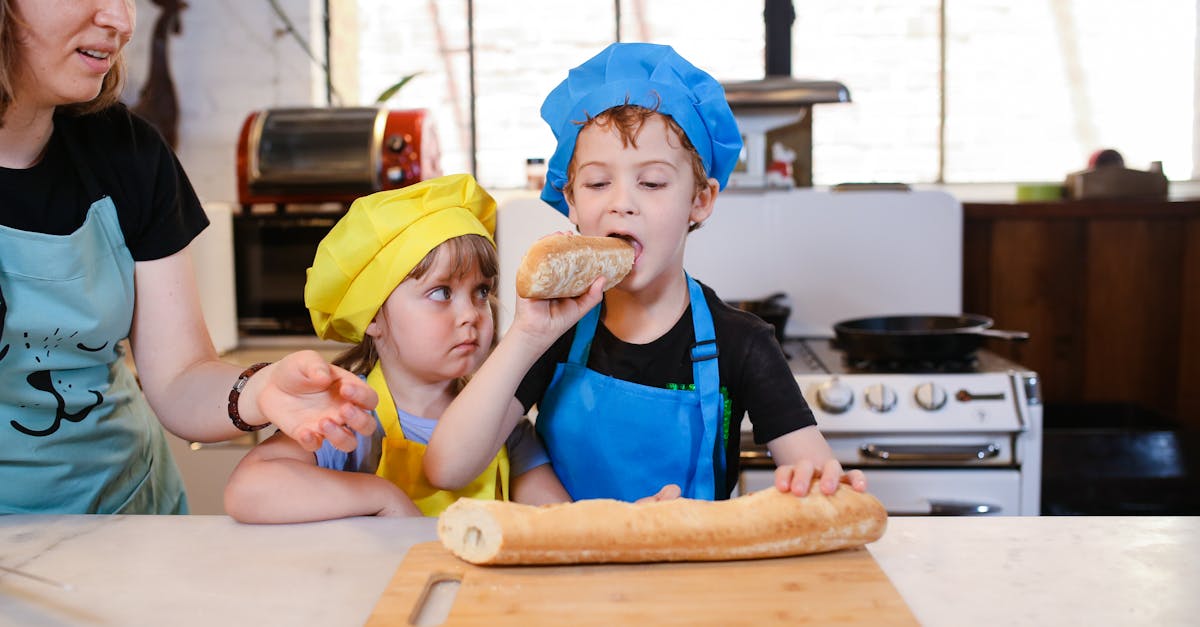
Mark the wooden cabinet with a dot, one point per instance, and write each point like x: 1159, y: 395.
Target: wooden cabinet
x: 1109, y: 292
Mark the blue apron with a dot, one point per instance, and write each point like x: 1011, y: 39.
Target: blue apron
x: 609, y: 438
x: 76, y: 433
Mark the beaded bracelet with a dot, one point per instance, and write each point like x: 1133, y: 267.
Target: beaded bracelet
x: 236, y: 393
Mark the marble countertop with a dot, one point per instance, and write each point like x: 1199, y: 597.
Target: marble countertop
x: 210, y: 570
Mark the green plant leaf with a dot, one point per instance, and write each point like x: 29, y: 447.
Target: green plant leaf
x: 391, y: 91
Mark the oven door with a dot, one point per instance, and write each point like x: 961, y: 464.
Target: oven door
x: 271, y: 253
x: 927, y: 492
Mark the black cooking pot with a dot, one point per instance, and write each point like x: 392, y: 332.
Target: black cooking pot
x: 917, y: 338
x: 773, y: 309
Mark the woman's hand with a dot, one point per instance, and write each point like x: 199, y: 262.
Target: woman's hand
x: 797, y: 478
x: 312, y: 401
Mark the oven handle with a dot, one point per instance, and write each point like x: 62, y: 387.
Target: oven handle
x: 929, y: 452
x: 950, y: 508
x: 957, y: 508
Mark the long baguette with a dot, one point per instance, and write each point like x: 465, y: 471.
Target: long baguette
x: 768, y: 523
x: 564, y: 265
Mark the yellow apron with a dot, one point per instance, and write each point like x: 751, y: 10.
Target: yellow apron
x: 401, y: 462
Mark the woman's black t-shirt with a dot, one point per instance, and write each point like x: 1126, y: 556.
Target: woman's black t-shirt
x: 755, y: 377
x: 157, y: 208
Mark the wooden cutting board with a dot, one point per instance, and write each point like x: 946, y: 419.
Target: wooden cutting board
x: 843, y: 587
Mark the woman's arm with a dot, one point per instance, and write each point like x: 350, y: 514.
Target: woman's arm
x: 803, y: 453
x: 279, y: 482
x: 188, y: 386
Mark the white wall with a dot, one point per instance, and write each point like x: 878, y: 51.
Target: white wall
x: 232, y: 57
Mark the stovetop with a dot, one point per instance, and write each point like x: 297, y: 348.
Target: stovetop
x: 988, y: 394
x: 815, y: 356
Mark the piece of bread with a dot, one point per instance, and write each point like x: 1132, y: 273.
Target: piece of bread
x: 564, y: 265
x: 768, y: 523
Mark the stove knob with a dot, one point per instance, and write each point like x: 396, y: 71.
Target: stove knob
x: 930, y: 396
x: 834, y: 396
x: 880, y: 397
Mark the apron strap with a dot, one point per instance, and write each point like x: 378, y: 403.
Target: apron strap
x: 386, y: 408
x: 585, y: 330
x: 706, y: 376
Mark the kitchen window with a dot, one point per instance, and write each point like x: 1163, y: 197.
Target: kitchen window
x: 1029, y: 89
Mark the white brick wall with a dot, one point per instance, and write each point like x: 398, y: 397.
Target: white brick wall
x: 229, y: 60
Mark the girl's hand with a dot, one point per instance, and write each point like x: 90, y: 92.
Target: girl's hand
x: 398, y: 504
x: 797, y: 478
x: 311, y: 401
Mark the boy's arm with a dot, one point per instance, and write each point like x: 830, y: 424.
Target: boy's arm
x: 539, y: 486
x: 478, y: 420
x: 803, y: 453
x: 279, y: 482
x: 476, y: 423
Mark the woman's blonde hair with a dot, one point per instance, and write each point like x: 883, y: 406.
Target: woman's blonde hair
x: 467, y: 252
x: 10, y: 59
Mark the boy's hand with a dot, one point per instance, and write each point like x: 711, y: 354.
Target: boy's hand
x: 668, y: 492
x: 544, y: 321
x: 797, y: 479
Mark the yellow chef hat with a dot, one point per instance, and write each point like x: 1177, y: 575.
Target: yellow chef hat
x: 380, y: 240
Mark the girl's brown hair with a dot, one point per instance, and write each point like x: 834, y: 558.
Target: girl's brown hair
x: 10, y: 53
x: 627, y: 120
x: 467, y: 252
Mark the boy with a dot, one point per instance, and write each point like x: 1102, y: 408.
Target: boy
x: 644, y: 391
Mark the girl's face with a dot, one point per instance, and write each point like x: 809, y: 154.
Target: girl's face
x: 67, y: 47
x: 646, y: 194
x: 438, y: 327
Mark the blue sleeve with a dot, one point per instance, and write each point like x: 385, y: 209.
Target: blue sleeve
x: 364, y: 457
x: 525, y: 450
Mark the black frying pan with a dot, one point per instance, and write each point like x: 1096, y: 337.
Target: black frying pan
x: 917, y: 338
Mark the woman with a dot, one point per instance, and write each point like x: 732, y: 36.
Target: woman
x: 95, y: 222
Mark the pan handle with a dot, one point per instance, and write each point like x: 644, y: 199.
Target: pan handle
x: 1004, y: 335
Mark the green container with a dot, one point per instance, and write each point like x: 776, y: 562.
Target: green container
x: 1039, y: 192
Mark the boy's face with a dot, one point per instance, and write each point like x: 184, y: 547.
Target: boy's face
x: 437, y: 327
x: 644, y: 193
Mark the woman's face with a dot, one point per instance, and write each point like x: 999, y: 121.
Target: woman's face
x: 67, y: 47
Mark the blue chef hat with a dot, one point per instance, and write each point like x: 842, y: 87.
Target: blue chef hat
x: 652, y: 76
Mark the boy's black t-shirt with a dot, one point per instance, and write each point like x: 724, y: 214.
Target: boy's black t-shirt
x: 157, y: 208
x: 755, y: 376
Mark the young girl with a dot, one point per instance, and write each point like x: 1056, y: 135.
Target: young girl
x: 407, y: 275
x: 643, y: 385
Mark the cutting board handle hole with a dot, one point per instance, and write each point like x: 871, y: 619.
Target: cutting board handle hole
x: 433, y: 606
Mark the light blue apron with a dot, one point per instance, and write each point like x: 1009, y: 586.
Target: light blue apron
x: 76, y: 434
x: 609, y: 438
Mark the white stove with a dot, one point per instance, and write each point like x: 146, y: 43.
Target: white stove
x: 957, y: 439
